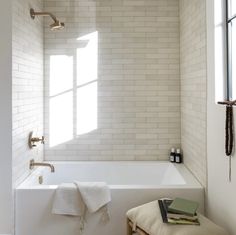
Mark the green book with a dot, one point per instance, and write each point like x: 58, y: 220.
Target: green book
x: 173, y: 220
x: 183, y: 206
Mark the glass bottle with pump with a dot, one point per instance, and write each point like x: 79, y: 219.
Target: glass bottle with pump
x: 172, y: 155
x: 178, y: 156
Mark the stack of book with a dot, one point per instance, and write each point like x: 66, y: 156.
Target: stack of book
x: 179, y: 211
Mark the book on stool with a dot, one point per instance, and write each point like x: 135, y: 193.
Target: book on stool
x: 179, y: 211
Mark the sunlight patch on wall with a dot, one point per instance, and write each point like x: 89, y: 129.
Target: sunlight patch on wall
x: 61, y: 119
x: 61, y: 74
x: 73, y: 96
x: 61, y: 99
x: 87, y: 66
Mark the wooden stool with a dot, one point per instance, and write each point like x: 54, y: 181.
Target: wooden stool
x: 146, y: 220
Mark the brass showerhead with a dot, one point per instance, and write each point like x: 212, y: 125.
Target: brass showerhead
x: 57, y: 25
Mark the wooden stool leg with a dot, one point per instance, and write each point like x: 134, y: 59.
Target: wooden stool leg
x: 129, y: 228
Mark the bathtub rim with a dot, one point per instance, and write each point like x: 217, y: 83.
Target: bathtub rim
x: 191, y: 181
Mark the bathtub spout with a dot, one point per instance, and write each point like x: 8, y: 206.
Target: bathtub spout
x: 33, y: 164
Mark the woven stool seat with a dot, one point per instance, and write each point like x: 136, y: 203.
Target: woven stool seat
x: 146, y: 220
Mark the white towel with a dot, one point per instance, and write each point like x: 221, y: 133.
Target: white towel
x: 74, y: 199
x: 95, y: 195
x: 68, y: 201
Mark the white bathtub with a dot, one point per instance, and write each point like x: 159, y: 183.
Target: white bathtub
x: 131, y: 184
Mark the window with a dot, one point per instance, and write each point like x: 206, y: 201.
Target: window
x: 231, y: 48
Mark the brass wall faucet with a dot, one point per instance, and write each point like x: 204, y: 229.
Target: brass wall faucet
x: 33, y: 164
x: 33, y: 140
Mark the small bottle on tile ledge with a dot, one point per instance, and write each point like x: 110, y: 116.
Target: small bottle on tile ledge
x: 178, y: 156
x: 172, y: 155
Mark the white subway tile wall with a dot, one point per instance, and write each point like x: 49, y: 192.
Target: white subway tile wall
x: 193, y: 85
x: 27, y: 79
x: 118, y: 94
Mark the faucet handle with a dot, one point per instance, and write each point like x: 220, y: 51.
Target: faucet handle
x: 33, y: 140
x: 31, y: 164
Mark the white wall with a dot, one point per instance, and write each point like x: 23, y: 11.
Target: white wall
x: 27, y: 85
x: 5, y: 117
x: 221, y: 196
x: 137, y: 94
x: 193, y: 85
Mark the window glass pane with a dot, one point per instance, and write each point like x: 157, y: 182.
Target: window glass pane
x: 233, y: 66
x: 232, y: 7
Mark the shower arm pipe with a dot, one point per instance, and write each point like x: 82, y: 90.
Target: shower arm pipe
x: 33, y: 14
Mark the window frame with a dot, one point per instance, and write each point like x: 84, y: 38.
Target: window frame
x: 229, y: 19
